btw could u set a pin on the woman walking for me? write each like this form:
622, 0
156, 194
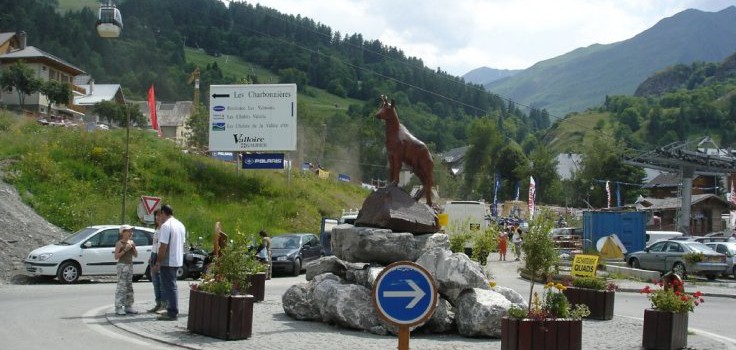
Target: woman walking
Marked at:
502, 244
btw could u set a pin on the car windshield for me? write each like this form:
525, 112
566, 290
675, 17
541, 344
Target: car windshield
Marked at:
284, 242
698, 247
78, 236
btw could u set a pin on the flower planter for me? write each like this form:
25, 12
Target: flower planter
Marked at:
664, 330
227, 317
560, 334
600, 302
257, 286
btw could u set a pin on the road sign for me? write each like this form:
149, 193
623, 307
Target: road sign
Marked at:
404, 294
252, 118
150, 203
146, 207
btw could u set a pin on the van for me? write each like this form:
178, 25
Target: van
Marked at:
654, 236
470, 215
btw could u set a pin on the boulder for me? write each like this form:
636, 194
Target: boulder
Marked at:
453, 272
382, 246
348, 305
479, 312
394, 209
331, 264
299, 304
511, 295
442, 320
363, 277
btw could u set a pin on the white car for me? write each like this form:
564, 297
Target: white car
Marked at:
89, 252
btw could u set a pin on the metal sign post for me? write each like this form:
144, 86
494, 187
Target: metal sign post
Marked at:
404, 294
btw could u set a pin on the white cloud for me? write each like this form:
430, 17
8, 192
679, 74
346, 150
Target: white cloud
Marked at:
461, 35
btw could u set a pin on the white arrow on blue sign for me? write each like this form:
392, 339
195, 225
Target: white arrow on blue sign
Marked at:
404, 294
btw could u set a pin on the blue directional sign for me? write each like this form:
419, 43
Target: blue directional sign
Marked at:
404, 294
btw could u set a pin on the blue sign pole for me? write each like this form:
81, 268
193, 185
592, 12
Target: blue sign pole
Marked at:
405, 295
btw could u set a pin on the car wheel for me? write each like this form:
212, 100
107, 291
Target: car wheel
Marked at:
634, 263
297, 267
137, 278
734, 272
679, 269
148, 273
68, 272
182, 272
710, 277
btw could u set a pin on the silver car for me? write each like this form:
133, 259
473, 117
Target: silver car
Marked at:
89, 252
664, 256
729, 250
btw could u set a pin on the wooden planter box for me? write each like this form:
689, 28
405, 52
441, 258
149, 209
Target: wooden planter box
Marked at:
561, 334
257, 286
664, 330
600, 302
220, 316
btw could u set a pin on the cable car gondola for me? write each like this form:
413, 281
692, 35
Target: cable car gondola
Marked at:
109, 21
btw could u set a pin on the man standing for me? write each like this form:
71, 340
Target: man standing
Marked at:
170, 258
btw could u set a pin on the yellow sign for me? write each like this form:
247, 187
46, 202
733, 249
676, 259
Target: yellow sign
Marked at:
584, 265
443, 219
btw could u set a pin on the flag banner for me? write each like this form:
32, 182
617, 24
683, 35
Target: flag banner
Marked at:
494, 210
618, 195
532, 194
732, 213
608, 194
152, 110
518, 185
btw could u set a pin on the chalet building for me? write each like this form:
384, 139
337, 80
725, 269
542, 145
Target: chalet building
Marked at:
667, 185
705, 217
91, 94
172, 118
13, 48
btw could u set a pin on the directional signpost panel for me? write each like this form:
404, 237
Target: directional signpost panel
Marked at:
404, 294
252, 118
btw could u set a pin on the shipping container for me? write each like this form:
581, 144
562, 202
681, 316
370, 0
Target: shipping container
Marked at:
630, 227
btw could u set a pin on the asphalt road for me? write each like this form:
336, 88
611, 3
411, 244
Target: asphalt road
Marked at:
48, 315
53, 316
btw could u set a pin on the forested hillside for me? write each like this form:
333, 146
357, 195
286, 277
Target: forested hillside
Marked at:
437, 107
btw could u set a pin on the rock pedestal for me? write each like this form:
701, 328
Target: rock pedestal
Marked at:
338, 290
394, 209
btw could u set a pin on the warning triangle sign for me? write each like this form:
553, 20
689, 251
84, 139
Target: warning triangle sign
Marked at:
150, 203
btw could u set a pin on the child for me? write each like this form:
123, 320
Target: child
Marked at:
502, 239
125, 251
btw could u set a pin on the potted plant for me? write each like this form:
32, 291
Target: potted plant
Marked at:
220, 305
665, 323
550, 322
595, 293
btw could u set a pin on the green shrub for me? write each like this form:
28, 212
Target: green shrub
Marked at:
589, 283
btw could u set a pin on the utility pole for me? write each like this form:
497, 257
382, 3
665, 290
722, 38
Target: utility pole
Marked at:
127, 163
195, 78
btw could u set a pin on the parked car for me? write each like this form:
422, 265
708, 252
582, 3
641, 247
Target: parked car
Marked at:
729, 250
707, 239
290, 251
668, 255
89, 252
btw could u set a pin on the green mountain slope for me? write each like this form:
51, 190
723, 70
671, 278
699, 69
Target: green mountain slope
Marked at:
583, 77
74, 178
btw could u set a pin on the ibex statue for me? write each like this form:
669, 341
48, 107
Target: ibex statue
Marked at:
404, 148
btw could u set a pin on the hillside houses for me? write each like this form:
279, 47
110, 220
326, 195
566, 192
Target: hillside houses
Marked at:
85, 92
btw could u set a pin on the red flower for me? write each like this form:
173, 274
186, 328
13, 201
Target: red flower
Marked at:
697, 294
646, 290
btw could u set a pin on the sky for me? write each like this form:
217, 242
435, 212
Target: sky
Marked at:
461, 35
